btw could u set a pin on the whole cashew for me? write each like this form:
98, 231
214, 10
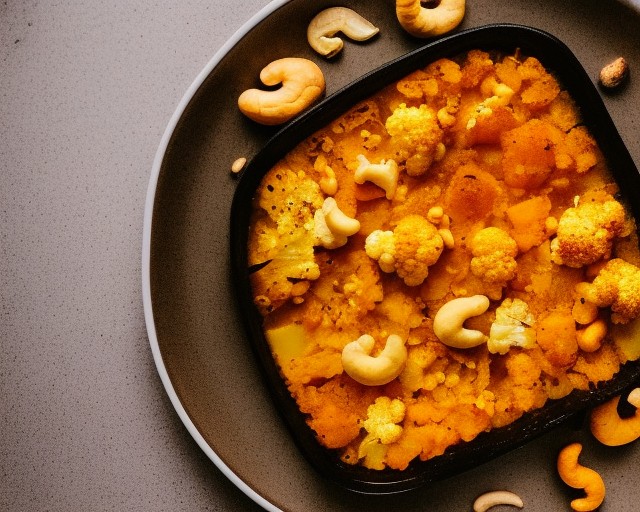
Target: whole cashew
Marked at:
333, 226
634, 398
329, 22
449, 320
495, 498
609, 428
374, 371
421, 21
302, 84
590, 338
385, 174
579, 477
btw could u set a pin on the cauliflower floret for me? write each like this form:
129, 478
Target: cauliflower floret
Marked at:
383, 417
616, 285
586, 233
512, 327
494, 253
283, 238
380, 245
332, 226
382, 429
410, 249
416, 134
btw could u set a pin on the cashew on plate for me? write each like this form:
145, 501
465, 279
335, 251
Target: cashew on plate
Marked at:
326, 24
422, 21
496, 498
580, 477
302, 84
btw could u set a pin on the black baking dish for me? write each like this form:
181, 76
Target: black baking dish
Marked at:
557, 58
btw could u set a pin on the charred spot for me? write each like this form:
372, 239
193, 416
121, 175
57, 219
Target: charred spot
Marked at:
258, 266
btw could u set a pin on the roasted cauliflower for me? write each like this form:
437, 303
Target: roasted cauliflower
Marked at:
586, 233
494, 253
409, 250
616, 285
512, 327
382, 429
417, 137
284, 236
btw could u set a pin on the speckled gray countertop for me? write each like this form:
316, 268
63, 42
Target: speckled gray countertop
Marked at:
86, 91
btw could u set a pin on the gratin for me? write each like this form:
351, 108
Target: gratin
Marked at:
472, 177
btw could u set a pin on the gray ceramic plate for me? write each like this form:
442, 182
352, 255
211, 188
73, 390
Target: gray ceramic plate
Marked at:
198, 343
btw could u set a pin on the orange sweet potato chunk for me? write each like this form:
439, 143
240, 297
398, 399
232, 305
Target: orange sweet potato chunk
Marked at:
336, 409
577, 152
476, 67
507, 73
529, 156
556, 335
540, 88
471, 193
527, 220
488, 128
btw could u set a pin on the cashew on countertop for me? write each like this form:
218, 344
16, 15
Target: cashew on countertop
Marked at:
302, 84
579, 477
374, 371
326, 24
609, 428
421, 21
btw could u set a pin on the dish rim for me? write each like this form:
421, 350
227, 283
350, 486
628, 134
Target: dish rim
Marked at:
496, 36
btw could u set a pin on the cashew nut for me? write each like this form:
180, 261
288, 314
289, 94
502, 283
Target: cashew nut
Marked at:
634, 398
590, 338
447, 238
495, 498
422, 21
328, 181
435, 214
385, 174
579, 477
374, 371
448, 324
614, 73
609, 428
583, 311
329, 22
238, 165
332, 226
302, 84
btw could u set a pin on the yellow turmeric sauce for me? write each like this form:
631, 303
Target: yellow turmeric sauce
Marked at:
483, 141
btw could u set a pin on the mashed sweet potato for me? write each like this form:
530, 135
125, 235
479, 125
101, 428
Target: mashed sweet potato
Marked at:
498, 191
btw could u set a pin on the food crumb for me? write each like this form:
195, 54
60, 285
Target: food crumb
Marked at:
614, 73
238, 165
